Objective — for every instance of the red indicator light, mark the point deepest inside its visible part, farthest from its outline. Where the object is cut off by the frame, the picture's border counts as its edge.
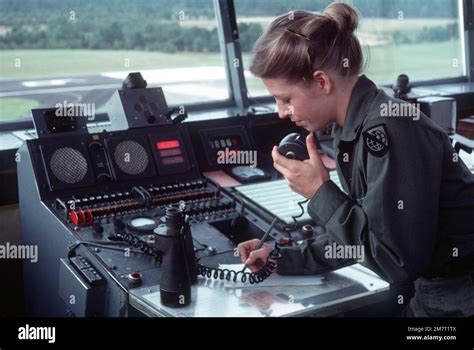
(167, 144)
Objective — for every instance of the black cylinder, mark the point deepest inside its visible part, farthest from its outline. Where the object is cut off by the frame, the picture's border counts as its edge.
(175, 241)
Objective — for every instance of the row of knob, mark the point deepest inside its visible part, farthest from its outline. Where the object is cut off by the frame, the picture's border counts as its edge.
(183, 186)
(208, 206)
(154, 190)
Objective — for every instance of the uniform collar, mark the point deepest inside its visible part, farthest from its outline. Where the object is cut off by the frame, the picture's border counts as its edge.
(362, 95)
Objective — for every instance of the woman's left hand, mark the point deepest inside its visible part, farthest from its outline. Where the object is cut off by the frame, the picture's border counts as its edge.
(305, 177)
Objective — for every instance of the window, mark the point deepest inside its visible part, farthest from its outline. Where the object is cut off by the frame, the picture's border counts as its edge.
(420, 38)
(77, 51)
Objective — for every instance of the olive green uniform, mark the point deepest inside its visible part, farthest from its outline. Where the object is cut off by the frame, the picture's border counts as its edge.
(408, 200)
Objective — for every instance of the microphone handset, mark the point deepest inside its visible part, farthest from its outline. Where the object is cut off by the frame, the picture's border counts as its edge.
(293, 146)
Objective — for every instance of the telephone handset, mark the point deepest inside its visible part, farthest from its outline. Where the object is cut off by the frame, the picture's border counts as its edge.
(293, 146)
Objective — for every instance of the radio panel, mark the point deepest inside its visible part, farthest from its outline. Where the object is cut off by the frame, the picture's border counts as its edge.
(94, 196)
(219, 139)
(172, 151)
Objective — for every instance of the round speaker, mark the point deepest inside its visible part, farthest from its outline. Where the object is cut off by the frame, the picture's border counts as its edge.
(131, 157)
(68, 165)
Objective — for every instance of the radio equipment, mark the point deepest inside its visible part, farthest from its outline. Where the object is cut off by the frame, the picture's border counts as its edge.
(129, 207)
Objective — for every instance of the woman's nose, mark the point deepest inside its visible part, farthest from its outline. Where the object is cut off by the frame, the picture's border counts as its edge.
(283, 112)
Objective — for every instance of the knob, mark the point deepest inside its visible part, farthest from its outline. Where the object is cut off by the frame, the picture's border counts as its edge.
(104, 178)
(211, 250)
(135, 278)
(307, 230)
(239, 224)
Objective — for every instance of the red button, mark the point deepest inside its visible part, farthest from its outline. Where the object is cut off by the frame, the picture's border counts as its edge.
(81, 217)
(89, 217)
(74, 218)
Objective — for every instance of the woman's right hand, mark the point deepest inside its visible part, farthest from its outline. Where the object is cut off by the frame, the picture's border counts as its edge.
(253, 259)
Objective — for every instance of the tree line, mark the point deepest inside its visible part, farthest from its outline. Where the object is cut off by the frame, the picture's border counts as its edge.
(154, 25)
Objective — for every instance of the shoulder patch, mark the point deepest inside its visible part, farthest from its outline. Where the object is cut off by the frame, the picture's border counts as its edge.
(376, 140)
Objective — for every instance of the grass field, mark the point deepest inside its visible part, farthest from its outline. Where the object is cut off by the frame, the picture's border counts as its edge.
(49, 63)
(425, 61)
(420, 61)
(14, 108)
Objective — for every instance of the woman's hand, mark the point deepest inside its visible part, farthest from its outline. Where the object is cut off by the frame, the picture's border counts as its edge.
(305, 177)
(253, 259)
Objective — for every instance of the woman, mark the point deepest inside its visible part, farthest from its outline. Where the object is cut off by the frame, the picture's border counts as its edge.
(408, 200)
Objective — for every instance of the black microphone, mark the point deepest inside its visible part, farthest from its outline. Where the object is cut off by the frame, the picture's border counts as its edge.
(293, 146)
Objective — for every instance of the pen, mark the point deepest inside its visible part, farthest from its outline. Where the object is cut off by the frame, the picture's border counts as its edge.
(265, 236)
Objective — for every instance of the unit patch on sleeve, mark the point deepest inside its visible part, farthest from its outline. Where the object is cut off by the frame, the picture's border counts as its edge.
(376, 140)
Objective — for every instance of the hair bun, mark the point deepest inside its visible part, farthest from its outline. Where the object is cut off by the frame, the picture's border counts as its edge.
(344, 15)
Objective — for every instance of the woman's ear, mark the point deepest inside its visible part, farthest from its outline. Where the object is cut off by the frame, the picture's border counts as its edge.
(322, 81)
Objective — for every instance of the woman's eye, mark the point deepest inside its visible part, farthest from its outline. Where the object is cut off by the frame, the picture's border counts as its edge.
(283, 101)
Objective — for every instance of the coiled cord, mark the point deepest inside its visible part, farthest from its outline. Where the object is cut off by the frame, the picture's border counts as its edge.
(253, 277)
(210, 272)
(136, 242)
(294, 217)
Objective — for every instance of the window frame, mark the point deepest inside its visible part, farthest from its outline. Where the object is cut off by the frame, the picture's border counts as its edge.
(229, 48)
(468, 21)
(236, 84)
(466, 31)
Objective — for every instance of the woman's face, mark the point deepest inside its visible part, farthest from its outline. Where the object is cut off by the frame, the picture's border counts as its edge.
(311, 106)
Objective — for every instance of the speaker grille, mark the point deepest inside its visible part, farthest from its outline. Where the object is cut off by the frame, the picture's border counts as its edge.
(68, 165)
(131, 157)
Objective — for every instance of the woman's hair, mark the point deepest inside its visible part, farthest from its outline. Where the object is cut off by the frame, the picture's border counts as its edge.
(300, 42)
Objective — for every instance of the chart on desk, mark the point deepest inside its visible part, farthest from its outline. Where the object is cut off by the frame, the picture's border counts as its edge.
(278, 198)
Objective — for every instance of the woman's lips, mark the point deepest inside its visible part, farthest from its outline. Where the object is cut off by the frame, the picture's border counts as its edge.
(299, 122)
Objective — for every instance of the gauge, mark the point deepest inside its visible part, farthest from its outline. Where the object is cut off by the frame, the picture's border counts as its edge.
(142, 224)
